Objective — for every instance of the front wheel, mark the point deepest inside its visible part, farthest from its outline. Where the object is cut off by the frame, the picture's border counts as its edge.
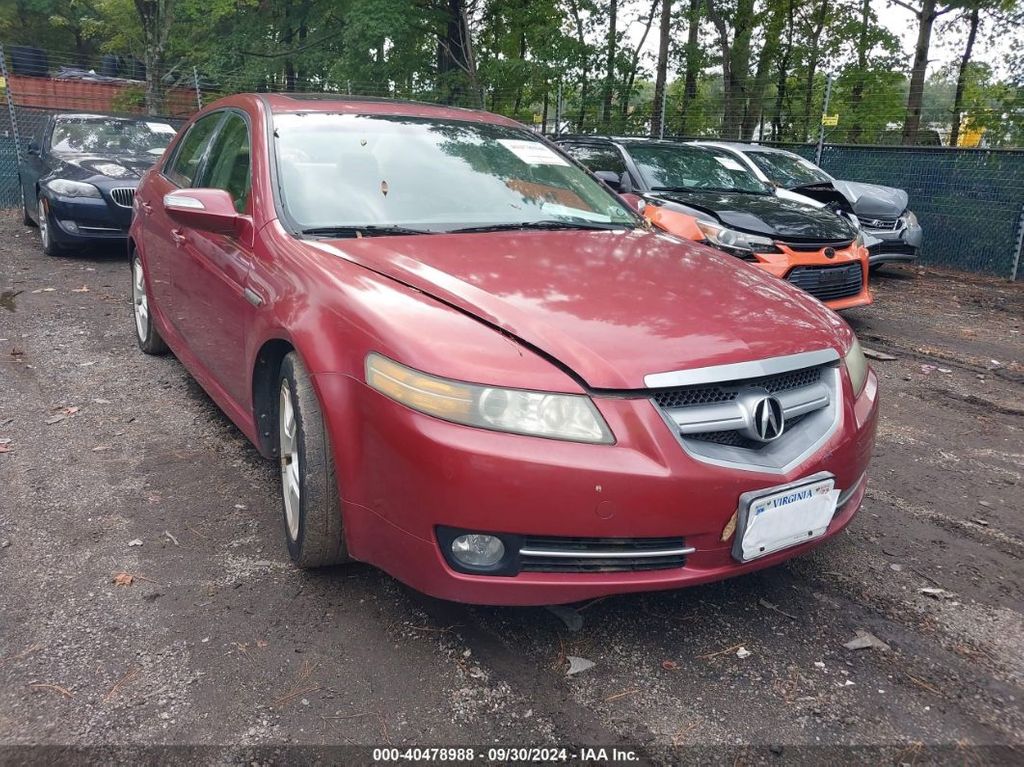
(146, 333)
(50, 247)
(309, 485)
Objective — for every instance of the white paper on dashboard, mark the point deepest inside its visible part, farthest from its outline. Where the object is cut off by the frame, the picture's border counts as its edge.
(728, 162)
(161, 128)
(532, 152)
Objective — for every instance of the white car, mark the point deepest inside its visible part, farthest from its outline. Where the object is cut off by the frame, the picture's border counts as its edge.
(894, 232)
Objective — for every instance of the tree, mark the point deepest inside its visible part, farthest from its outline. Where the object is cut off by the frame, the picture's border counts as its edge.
(926, 14)
(735, 58)
(664, 36)
(693, 59)
(156, 17)
(609, 77)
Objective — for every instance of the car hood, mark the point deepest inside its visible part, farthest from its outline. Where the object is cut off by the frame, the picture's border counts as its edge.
(610, 307)
(766, 215)
(872, 200)
(116, 168)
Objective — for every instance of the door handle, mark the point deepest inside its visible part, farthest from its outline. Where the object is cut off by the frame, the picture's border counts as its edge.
(179, 237)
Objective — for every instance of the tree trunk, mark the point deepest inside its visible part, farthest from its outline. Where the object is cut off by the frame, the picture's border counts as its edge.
(584, 64)
(634, 63)
(812, 67)
(961, 80)
(661, 78)
(692, 63)
(155, 18)
(780, 89)
(926, 19)
(770, 49)
(609, 76)
(857, 92)
(455, 55)
(735, 63)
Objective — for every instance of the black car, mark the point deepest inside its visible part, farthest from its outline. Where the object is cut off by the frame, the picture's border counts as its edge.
(78, 181)
(706, 195)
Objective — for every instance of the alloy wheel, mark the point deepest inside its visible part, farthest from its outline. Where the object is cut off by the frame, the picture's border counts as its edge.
(44, 224)
(289, 452)
(140, 301)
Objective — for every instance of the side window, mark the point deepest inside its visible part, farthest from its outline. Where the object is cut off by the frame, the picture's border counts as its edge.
(597, 157)
(228, 166)
(183, 167)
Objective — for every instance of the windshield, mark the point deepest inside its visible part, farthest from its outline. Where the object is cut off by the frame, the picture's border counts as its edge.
(346, 170)
(788, 170)
(666, 166)
(110, 136)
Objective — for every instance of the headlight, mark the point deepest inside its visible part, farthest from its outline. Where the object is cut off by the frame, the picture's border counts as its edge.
(856, 367)
(909, 218)
(570, 417)
(735, 242)
(66, 188)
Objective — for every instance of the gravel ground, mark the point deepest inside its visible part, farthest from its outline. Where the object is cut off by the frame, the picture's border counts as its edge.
(116, 463)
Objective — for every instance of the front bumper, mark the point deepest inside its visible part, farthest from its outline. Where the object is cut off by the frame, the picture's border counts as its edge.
(403, 474)
(787, 264)
(897, 246)
(84, 220)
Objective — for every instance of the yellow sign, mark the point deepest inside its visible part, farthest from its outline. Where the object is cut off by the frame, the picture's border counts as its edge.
(3, 83)
(830, 121)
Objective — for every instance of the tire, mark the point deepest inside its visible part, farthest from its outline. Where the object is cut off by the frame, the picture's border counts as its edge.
(26, 217)
(876, 268)
(310, 502)
(50, 248)
(146, 333)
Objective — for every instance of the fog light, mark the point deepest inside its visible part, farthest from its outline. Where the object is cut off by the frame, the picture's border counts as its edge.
(478, 550)
(68, 226)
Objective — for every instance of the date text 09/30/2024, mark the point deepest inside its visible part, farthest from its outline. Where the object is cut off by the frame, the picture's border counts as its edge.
(535, 754)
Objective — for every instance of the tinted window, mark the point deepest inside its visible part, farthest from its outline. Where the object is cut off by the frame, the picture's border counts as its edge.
(667, 166)
(788, 170)
(358, 170)
(183, 168)
(228, 164)
(110, 136)
(597, 157)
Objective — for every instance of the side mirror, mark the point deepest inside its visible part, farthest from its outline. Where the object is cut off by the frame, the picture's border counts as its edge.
(611, 178)
(34, 148)
(635, 201)
(208, 210)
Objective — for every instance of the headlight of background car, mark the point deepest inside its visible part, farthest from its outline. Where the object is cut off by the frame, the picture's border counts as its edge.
(66, 188)
(909, 218)
(736, 243)
(856, 367)
(557, 416)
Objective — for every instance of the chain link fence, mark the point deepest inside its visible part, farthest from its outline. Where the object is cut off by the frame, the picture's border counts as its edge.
(970, 201)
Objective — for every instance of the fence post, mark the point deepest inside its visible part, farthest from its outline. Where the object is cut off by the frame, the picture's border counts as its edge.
(10, 104)
(558, 110)
(821, 127)
(1020, 245)
(199, 92)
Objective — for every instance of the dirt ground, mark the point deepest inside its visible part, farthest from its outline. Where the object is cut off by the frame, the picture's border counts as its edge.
(112, 462)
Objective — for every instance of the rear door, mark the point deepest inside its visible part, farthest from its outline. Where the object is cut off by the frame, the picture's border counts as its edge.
(162, 250)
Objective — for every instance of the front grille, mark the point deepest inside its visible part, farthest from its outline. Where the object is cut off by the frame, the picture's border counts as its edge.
(828, 283)
(814, 247)
(703, 395)
(583, 555)
(123, 196)
(881, 224)
(892, 247)
(736, 439)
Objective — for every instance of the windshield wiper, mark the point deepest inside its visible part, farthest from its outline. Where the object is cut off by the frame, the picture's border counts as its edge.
(362, 230)
(543, 224)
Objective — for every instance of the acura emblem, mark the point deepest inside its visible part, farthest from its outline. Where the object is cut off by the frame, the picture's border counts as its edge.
(769, 421)
(830, 252)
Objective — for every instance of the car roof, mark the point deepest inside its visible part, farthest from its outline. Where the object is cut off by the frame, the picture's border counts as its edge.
(628, 141)
(285, 103)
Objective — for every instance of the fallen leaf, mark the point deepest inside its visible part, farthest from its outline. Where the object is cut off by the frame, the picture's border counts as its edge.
(83, 289)
(135, 542)
(578, 665)
(864, 640)
(874, 354)
(5, 448)
(56, 419)
(743, 652)
(101, 448)
(935, 593)
(71, 410)
(124, 579)
(669, 665)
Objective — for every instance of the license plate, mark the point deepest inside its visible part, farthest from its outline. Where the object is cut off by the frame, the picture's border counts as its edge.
(832, 277)
(776, 518)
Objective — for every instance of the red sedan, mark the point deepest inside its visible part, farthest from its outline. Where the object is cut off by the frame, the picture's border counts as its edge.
(478, 369)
